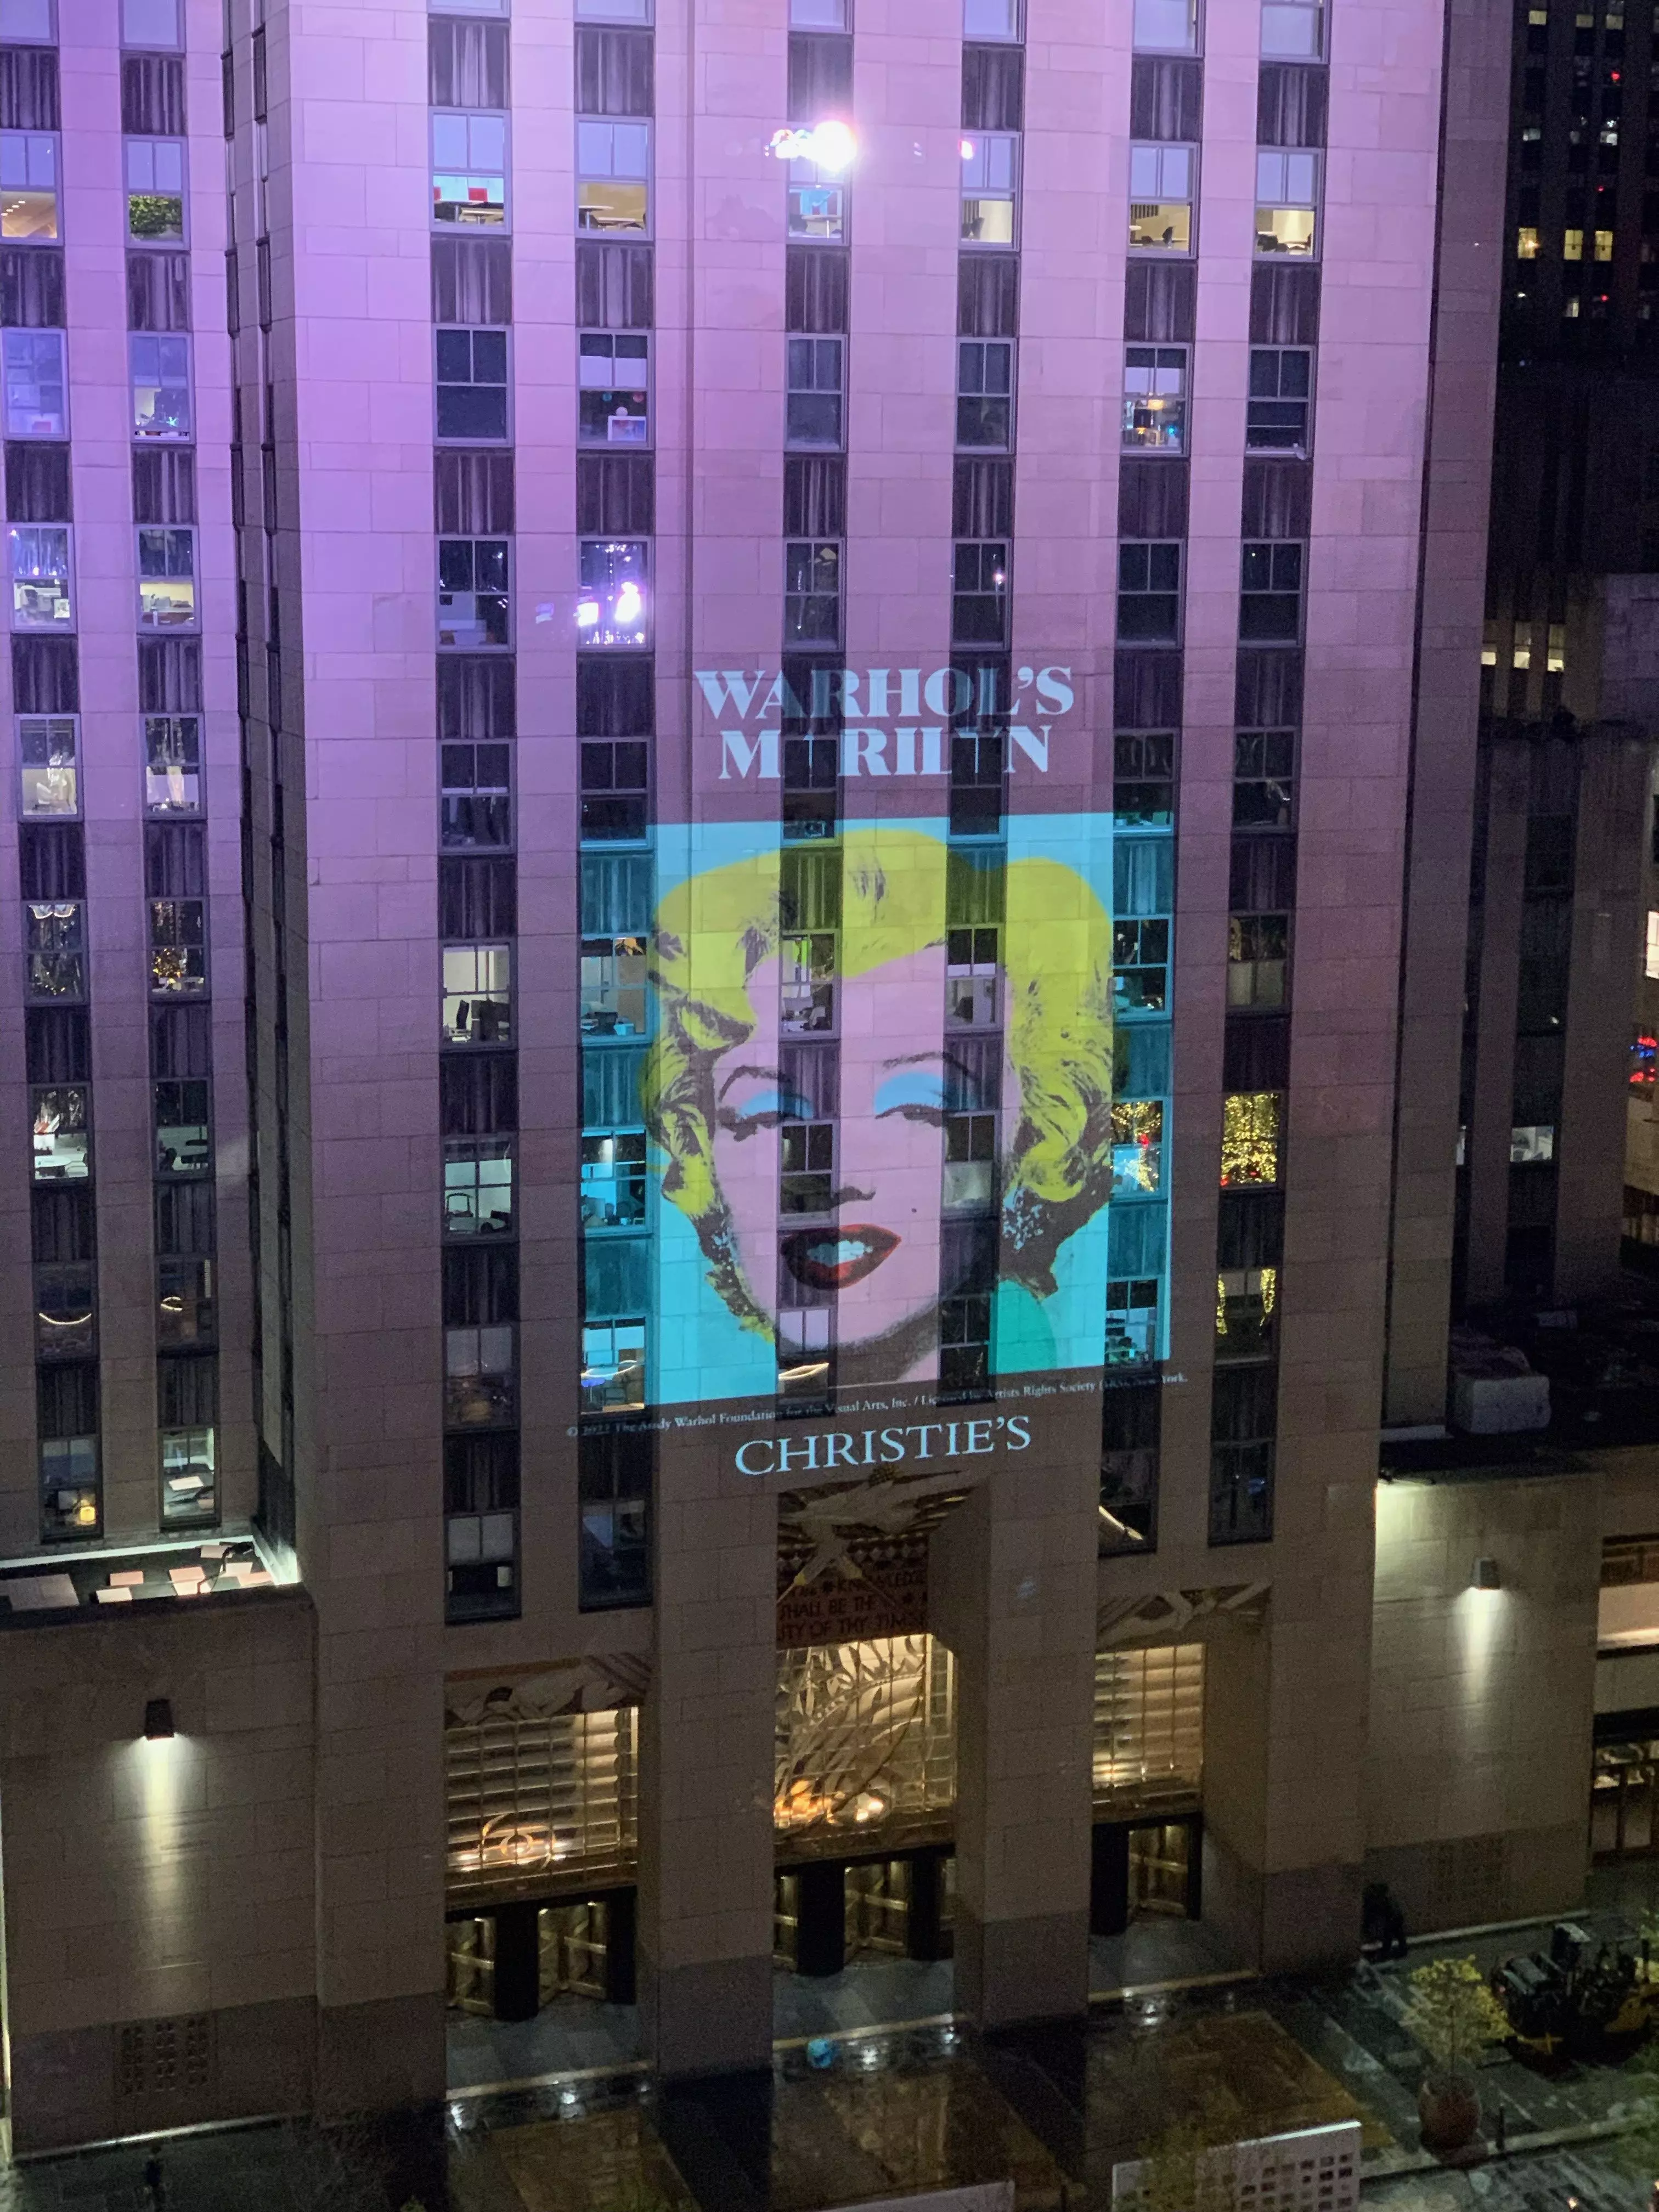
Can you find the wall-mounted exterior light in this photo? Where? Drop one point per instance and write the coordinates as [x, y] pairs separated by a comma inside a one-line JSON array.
[[1484, 1575], [158, 1720]]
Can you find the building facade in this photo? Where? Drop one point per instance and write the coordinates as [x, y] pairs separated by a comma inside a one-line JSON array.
[[743, 878]]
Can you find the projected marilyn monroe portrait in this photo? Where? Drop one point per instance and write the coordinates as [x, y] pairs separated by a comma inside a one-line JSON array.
[[865, 1106]]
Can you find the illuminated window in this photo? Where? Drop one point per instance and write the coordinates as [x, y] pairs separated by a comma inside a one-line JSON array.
[[69, 1487], [1287, 201], [40, 594], [985, 387], [613, 606], [1251, 1122], [817, 201], [811, 592], [188, 1455], [1650, 966], [1155, 397], [167, 579], [155, 188], [185, 1306], [1246, 1301], [1131, 1322], [1603, 244], [1555, 658], [1533, 1145], [477, 994], [613, 986], [1169, 26], [613, 1366], [1149, 593], [971, 1156], [56, 936], [1161, 198], [473, 593], [1526, 242], [37, 404], [613, 1179], [160, 364], [990, 173], [63, 1311], [979, 593], [478, 1187], [28, 185], [469, 169], [1258, 956], [806, 1354], [471, 366], [177, 947], [813, 369], [173, 763], [614, 402], [46, 751], [1137, 1147], [806, 967], [1293, 30], [1572, 245], [480, 1388], [1140, 966]]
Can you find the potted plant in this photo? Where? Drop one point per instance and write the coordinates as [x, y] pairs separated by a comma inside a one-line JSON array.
[[1454, 2016]]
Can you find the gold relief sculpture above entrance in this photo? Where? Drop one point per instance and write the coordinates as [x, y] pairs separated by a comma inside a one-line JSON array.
[[853, 1562], [866, 1746]]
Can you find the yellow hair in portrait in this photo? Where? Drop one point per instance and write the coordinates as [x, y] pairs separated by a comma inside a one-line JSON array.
[[716, 929]]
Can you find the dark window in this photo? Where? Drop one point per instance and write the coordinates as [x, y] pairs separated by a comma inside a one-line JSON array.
[[814, 495], [1243, 1419], [978, 764], [1149, 593], [992, 87], [158, 292], [1158, 303], [1143, 778], [472, 383], [477, 698], [615, 494], [1151, 498], [1264, 773], [28, 90], [164, 484], [613, 71], [477, 900], [614, 1539], [985, 384], [478, 1093], [45, 676], [1285, 307], [979, 594], [813, 370], [1131, 1422], [473, 493], [467, 65], [1278, 412], [987, 295], [1165, 99], [477, 802], [472, 279], [1290, 102], [152, 95], [820, 77], [614, 698], [814, 289], [982, 500], [38, 482], [32, 286], [616, 774], [1270, 593], [481, 1515]]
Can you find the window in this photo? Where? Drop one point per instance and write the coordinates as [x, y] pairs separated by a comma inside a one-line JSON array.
[[480, 1388], [614, 169], [1137, 1147], [63, 1311], [970, 1154], [1143, 778], [1526, 242], [1258, 951], [811, 593], [1650, 964], [817, 201], [481, 1527], [476, 807], [36, 386], [604, 11], [1251, 1122], [1131, 1338], [985, 387], [1149, 593], [1140, 966], [40, 595], [613, 1366], [56, 934], [615, 780], [979, 594], [1131, 1418], [1169, 26], [1161, 198], [812, 371], [1244, 1416], [806, 1358], [1155, 397], [167, 579], [469, 169], [1287, 201], [188, 1492], [614, 1486], [28, 185], [1293, 30], [478, 1187], [472, 592], [1603, 244], [173, 763], [1277, 414], [29, 21], [46, 751], [817, 14], [806, 1166], [477, 994], [177, 947], [182, 1144], [990, 18], [155, 188], [1264, 773], [1533, 1145], [806, 967], [149, 22], [160, 364], [58, 1114], [471, 383], [964, 1344], [990, 175], [613, 1179], [69, 1487], [614, 400], [970, 978], [613, 606], [613, 986], [184, 1303], [1270, 593]]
